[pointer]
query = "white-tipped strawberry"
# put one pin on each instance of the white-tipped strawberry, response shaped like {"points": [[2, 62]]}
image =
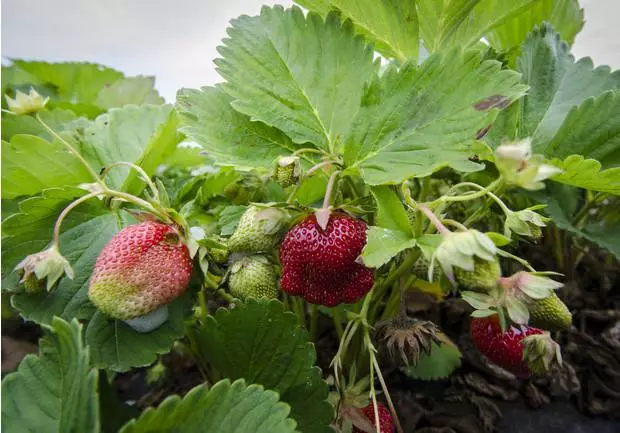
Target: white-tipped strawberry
{"points": [[142, 268]]}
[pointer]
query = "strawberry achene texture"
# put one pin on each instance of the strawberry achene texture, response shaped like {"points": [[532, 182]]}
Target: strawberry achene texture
{"points": [[319, 265], [385, 418], [505, 349], [143, 267]]}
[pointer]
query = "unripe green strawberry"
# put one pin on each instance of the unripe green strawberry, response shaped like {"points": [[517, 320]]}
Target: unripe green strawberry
{"points": [[258, 231], [253, 277], [411, 216], [550, 313], [482, 279], [420, 269], [287, 170]]}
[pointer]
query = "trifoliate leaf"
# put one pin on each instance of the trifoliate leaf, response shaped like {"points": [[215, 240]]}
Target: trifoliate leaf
{"points": [[417, 120], [557, 84], [229, 137], [30, 164], [225, 408], [56, 391], [300, 74], [443, 359], [392, 26], [261, 343]]}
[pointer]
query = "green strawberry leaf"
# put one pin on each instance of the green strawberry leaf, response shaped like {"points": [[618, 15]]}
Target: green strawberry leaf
{"points": [[131, 90], [440, 20], [225, 408], [561, 204], [73, 82], [382, 244], [116, 346], [443, 359], [417, 120], [393, 233], [392, 26], [30, 164], [591, 130], [261, 343], [300, 74], [55, 391], [229, 219], [564, 15], [587, 173], [557, 84], [57, 119], [390, 211], [145, 135], [229, 137]]}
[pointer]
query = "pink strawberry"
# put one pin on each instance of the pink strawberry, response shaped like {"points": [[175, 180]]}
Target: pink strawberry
{"points": [[320, 265], [505, 350], [143, 267], [385, 418]]}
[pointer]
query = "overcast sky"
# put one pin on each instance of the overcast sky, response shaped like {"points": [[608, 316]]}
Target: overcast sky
{"points": [[175, 40]]}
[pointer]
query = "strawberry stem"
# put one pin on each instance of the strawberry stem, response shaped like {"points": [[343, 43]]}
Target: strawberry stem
{"points": [[71, 150], [140, 171], [65, 212], [434, 220], [395, 418]]}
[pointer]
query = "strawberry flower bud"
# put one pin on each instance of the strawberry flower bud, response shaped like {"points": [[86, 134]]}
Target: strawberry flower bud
{"points": [[26, 103], [520, 168], [43, 269], [525, 222], [287, 170], [458, 249]]}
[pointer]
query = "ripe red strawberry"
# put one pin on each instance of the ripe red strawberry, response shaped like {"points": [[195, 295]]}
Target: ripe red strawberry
{"points": [[385, 418], [327, 288], [505, 350], [334, 248], [143, 267], [320, 266]]}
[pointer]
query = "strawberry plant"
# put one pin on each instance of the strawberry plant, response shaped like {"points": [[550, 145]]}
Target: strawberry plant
{"points": [[284, 235]]}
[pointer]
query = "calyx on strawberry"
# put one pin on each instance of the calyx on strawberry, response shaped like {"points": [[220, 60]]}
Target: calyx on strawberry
{"points": [[258, 231], [508, 349], [320, 265], [386, 424], [142, 268], [253, 277]]}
